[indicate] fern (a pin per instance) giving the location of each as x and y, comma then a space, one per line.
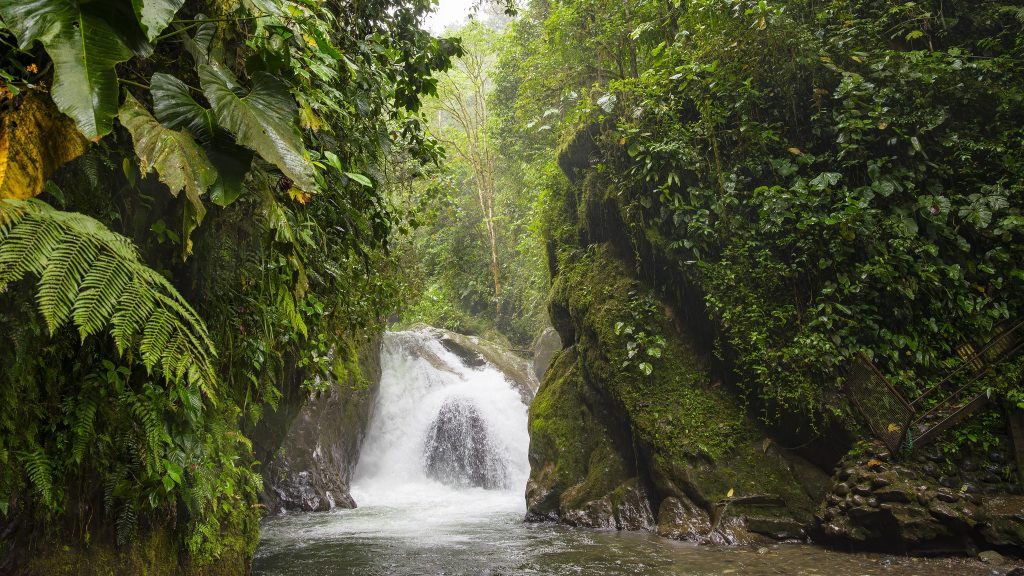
40, 473
85, 416
94, 277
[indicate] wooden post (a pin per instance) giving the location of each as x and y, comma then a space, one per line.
1015, 416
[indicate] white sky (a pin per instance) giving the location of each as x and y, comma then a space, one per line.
449, 12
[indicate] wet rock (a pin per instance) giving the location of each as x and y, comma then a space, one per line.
949, 482
631, 506
680, 519
544, 349
894, 495
993, 558
880, 482
862, 490
459, 451
841, 489
946, 496
592, 514
777, 528
318, 443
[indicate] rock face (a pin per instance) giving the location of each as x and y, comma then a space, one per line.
476, 352
614, 447
544, 349
458, 451
311, 470
883, 503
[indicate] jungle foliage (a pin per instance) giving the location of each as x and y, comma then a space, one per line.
477, 265
201, 194
831, 177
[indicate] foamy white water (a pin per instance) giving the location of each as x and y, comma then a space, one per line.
419, 379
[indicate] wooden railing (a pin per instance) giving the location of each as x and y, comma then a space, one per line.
904, 425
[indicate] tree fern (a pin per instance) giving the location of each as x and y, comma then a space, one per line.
93, 277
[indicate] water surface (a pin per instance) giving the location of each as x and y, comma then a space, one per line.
408, 523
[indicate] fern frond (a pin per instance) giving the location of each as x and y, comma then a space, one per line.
40, 474
85, 416
127, 524
94, 277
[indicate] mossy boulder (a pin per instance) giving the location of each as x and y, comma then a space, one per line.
312, 468
632, 401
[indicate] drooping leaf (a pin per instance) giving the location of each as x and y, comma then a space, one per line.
265, 119
175, 108
35, 140
155, 15
85, 41
174, 154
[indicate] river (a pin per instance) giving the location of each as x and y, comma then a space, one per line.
440, 430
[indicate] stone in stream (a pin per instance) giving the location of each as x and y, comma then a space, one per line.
458, 450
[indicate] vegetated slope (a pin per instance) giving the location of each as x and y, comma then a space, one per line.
782, 186
217, 200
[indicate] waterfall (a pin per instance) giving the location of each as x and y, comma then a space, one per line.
441, 428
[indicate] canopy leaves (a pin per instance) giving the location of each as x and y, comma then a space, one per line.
265, 120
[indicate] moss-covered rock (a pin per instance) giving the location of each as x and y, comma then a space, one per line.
158, 554
630, 420
311, 470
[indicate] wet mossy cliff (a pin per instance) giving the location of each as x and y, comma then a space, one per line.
636, 424
311, 445
633, 427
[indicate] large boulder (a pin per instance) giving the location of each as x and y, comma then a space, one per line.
458, 449
311, 470
661, 445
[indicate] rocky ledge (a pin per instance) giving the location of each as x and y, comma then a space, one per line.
924, 504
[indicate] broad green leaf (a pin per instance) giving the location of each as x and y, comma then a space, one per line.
85, 41
177, 159
175, 108
360, 178
155, 15
265, 119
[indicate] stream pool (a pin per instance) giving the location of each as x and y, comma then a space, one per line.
434, 530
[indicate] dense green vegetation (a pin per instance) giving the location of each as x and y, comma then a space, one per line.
478, 263
207, 206
218, 246
828, 177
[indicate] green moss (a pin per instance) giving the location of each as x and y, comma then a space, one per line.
689, 429
155, 555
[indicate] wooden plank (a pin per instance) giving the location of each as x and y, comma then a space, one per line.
1015, 416
952, 420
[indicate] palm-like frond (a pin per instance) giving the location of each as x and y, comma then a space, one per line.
94, 277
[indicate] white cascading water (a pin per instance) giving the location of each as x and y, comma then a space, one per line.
445, 440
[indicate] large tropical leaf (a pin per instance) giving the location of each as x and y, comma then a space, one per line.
265, 119
155, 15
174, 154
175, 108
85, 41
